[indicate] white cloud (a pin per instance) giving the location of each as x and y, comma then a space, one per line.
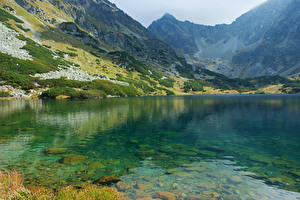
198, 11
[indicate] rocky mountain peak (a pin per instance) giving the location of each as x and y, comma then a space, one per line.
168, 16
255, 44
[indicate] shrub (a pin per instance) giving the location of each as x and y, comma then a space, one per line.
57, 91
17, 80
5, 16
23, 29
11, 187
4, 94
169, 92
194, 85
167, 82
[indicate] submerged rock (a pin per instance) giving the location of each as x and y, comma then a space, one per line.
295, 173
122, 186
261, 159
207, 185
95, 165
207, 153
235, 179
72, 159
133, 141
10, 123
26, 129
56, 150
108, 180
166, 195
145, 198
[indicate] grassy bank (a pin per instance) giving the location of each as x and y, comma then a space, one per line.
12, 188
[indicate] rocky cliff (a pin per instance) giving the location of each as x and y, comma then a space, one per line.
261, 42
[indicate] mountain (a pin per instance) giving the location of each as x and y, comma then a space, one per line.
92, 49
111, 25
263, 41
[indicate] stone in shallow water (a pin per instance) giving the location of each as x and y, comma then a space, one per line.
133, 142
144, 186
72, 159
166, 195
10, 123
235, 179
123, 186
145, 154
26, 129
295, 173
108, 180
95, 165
56, 150
145, 198
207, 153
261, 159
207, 185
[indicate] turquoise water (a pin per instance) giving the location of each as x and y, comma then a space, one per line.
196, 147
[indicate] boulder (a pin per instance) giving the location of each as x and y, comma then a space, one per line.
108, 180
166, 195
72, 159
56, 150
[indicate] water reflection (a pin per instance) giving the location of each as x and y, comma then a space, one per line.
118, 136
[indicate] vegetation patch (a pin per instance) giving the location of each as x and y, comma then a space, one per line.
4, 94
5, 16
86, 90
22, 28
194, 85
11, 187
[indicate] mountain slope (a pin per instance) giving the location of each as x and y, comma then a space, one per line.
66, 49
112, 26
229, 49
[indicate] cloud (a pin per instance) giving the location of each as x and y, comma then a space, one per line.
208, 12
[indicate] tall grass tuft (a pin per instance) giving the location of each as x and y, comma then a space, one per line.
11, 185
12, 188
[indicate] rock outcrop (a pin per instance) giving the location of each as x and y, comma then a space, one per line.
263, 41
11, 45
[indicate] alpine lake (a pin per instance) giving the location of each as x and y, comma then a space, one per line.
195, 147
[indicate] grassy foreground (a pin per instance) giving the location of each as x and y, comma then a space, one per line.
12, 188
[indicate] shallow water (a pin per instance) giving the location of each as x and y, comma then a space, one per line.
197, 147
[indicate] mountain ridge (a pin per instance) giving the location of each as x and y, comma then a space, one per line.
77, 52
221, 43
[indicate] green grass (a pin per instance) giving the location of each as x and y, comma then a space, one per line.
23, 29
12, 188
194, 85
16, 72
125, 59
4, 94
168, 82
294, 85
5, 16
86, 90
62, 53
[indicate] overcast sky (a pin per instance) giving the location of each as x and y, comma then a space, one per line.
208, 12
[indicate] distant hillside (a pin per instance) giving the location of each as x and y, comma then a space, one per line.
264, 41
92, 49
